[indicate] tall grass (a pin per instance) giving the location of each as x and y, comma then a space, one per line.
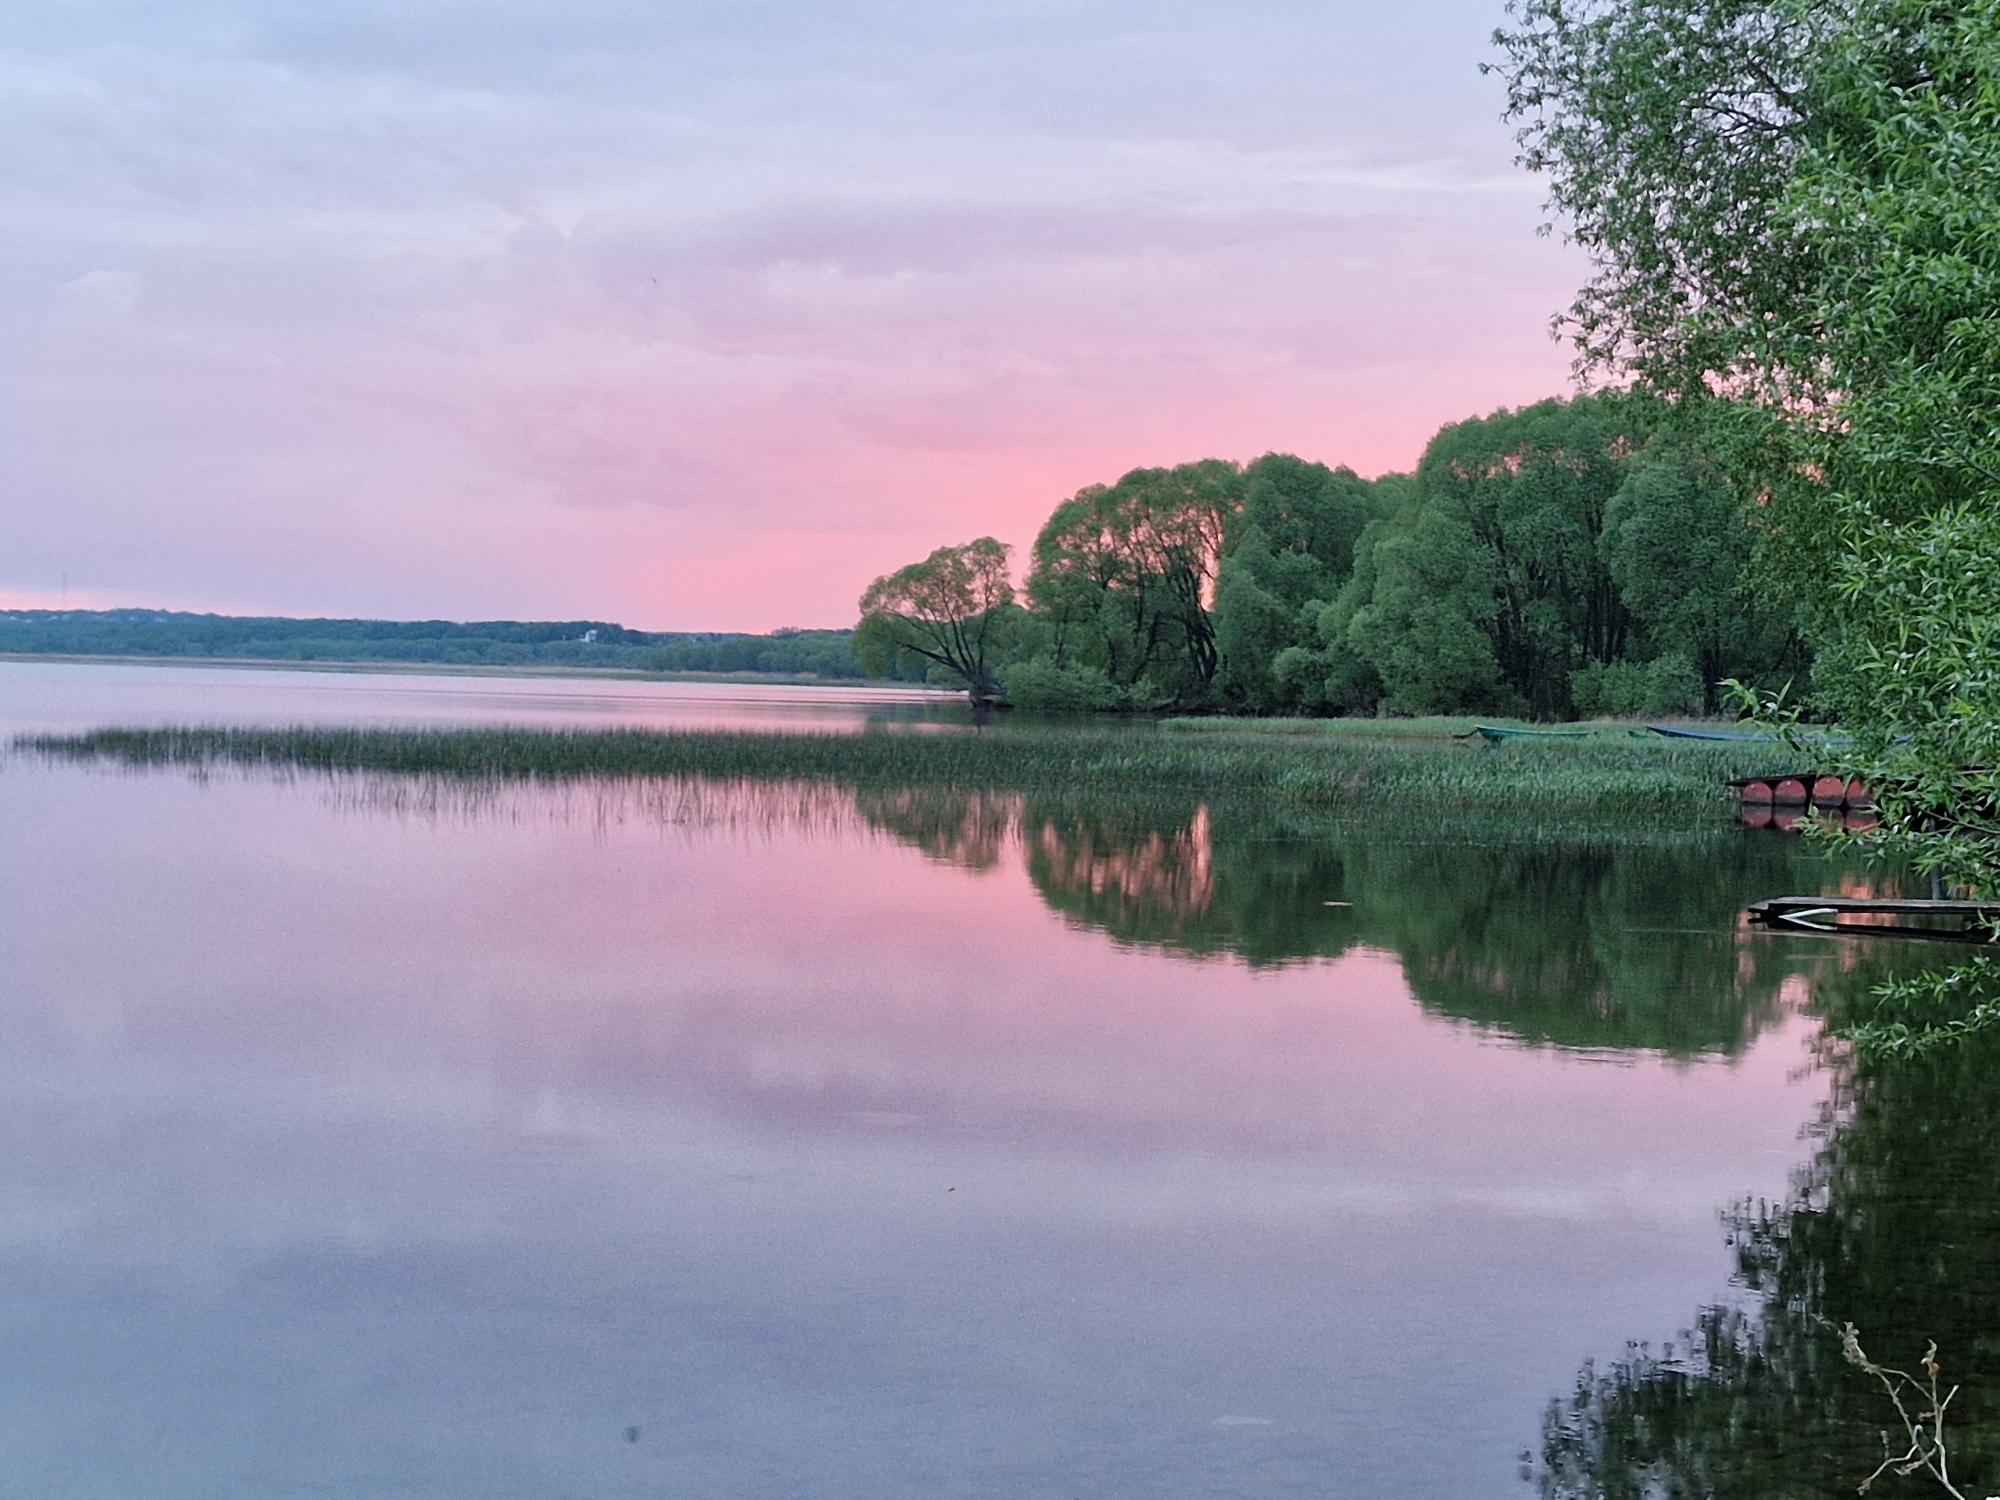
1430, 727
1676, 784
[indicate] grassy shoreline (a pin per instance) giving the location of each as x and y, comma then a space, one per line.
1571, 782
1433, 726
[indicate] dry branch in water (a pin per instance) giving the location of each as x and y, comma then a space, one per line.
1921, 1409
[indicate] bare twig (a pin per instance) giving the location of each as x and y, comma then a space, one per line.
1924, 1424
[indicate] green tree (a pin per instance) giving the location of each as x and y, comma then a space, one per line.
1792, 203
1533, 487
1428, 627
1285, 553
1123, 576
1326, 670
1678, 538
1490, 588
1254, 624
952, 610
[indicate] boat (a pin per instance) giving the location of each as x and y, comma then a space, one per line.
1673, 733
1495, 733
1856, 916
1759, 736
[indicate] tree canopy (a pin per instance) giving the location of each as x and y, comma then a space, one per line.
1791, 204
949, 609
1568, 557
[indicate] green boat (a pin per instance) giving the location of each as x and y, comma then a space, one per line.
1494, 733
1674, 732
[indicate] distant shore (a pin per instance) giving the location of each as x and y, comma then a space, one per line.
476, 669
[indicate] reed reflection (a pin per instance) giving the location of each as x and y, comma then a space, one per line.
1626, 942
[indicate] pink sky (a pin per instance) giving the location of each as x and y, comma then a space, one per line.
701, 317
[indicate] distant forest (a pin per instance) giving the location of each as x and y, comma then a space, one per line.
491, 643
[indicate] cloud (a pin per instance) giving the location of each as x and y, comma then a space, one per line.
681, 287
99, 294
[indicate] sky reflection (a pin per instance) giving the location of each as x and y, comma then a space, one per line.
424, 1155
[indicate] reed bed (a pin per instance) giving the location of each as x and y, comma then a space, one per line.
1676, 784
1429, 727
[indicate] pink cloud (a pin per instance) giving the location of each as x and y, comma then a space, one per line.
496, 330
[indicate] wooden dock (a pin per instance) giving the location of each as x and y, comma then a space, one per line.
1869, 916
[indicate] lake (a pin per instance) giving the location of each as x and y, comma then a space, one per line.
369, 1138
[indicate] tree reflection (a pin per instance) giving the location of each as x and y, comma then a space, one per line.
1893, 1226
1199, 883
968, 829
1617, 942
1596, 944
1592, 945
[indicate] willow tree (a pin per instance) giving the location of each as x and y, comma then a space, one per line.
1793, 203
1286, 552
1531, 488
952, 610
1124, 575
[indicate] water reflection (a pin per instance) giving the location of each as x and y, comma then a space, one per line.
1632, 943
376, 1136
60, 697
1893, 1226
1622, 943
969, 829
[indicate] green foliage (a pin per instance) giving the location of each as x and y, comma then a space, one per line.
1668, 686
954, 610
1325, 671
1535, 554
1678, 540
499, 643
1040, 685
1289, 550
1792, 203
1311, 516
789, 653
483, 643
1123, 575
1427, 630
1667, 132
1254, 625
1526, 495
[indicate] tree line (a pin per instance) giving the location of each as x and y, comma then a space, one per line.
1573, 558
492, 643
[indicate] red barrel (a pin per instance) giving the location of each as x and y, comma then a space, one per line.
1755, 791
1791, 792
1859, 795
1829, 791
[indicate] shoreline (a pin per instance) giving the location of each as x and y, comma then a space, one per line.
475, 669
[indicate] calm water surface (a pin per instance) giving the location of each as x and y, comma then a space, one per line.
63, 696
368, 1139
